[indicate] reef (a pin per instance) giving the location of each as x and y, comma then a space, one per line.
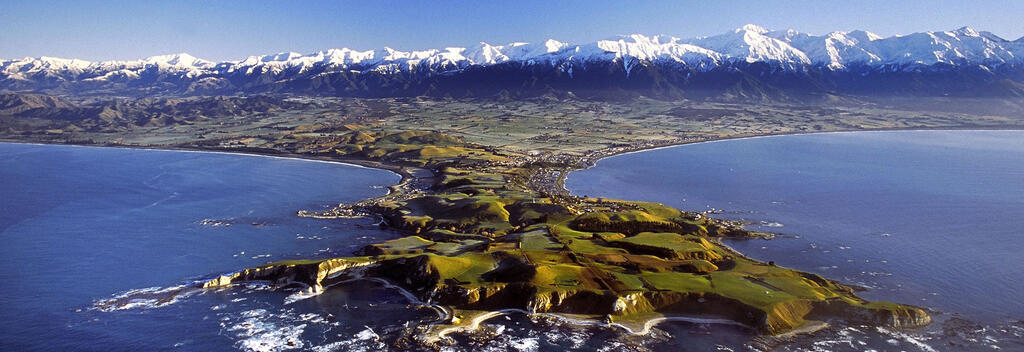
479, 235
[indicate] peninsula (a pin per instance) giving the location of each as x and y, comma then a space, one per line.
479, 238
484, 220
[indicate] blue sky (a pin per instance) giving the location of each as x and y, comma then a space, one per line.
228, 30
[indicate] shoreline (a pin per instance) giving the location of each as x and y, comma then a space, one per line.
408, 175
366, 164
405, 173
630, 329
591, 160
727, 243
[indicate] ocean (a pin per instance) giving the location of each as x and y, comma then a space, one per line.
929, 218
79, 225
101, 244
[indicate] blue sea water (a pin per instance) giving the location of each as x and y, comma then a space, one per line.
930, 218
80, 224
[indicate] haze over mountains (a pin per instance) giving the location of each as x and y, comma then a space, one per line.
750, 62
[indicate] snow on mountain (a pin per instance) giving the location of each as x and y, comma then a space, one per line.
487, 54
963, 46
43, 64
185, 64
750, 43
181, 60
833, 50
788, 49
657, 48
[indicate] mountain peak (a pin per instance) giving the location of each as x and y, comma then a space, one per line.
783, 50
554, 45
864, 35
967, 31
751, 28
60, 63
176, 60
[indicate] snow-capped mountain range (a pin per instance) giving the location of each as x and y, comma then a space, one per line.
336, 71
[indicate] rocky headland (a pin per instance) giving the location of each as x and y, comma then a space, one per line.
480, 236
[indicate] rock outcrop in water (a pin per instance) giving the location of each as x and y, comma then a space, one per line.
421, 276
311, 273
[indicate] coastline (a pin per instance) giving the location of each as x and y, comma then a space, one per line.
915, 135
368, 164
591, 160
407, 175
637, 328
406, 172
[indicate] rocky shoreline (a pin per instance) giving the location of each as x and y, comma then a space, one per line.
414, 275
488, 231
489, 237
